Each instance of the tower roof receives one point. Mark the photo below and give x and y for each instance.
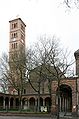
(76, 53)
(18, 19)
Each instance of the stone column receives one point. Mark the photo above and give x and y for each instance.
(43, 102)
(64, 104)
(74, 102)
(14, 106)
(35, 102)
(28, 103)
(36, 105)
(60, 103)
(9, 103)
(4, 103)
(21, 104)
(54, 104)
(67, 104)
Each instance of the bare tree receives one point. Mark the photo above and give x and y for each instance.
(35, 73)
(46, 62)
(53, 63)
(12, 71)
(3, 70)
(71, 3)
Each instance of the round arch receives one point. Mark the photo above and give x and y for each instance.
(7, 102)
(65, 98)
(11, 102)
(32, 101)
(23, 102)
(48, 103)
(1, 101)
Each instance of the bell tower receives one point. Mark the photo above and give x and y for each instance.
(16, 52)
(17, 35)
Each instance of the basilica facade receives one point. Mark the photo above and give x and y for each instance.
(69, 87)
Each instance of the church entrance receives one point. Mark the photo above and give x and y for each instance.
(65, 98)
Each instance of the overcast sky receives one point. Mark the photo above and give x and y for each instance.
(48, 17)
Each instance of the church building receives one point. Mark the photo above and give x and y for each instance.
(69, 87)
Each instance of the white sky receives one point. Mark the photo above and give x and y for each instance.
(41, 17)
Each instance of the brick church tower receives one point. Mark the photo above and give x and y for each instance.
(76, 54)
(16, 43)
(17, 35)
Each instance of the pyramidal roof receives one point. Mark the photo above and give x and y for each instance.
(76, 53)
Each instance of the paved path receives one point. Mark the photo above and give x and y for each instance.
(22, 117)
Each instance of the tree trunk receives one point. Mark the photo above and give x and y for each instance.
(39, 96)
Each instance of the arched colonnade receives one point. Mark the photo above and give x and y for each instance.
(28, 102)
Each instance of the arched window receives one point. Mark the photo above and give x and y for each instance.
(12, 26)
(16, 25)
(16, 45)
(14, 35)
(12, 46)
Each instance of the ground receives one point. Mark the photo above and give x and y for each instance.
(25, 117)
(20, 117)
(35, 116)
